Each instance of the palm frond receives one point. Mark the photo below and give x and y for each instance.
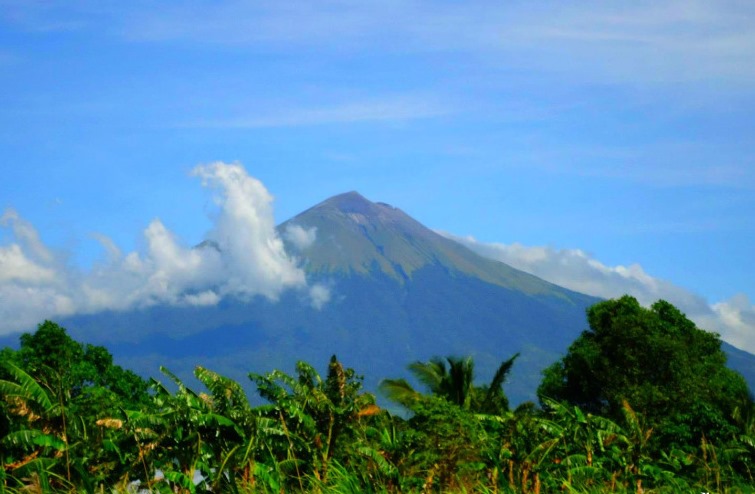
(399, 391)
(500, 376)
(431, 374)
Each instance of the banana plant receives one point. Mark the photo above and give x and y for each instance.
(315, 415)
(577, 447)
(240, 454)
(184, 437)
(40, 439)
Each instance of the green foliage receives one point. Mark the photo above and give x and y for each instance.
(324, 434)
(54, 390)
(452, 379)
(85, 374)
(320, 419)
(670, 372)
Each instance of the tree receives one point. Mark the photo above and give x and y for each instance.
(82, 385)
(670, 372)
(85, 374)
(453, 382)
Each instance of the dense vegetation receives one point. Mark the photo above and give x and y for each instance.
(641, 402)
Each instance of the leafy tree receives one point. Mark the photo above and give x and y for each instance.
(669, 371)
(79, 384)
(444, 446)
(85, 374)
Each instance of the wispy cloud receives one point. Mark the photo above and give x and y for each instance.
(641, 42)
(242, 257)
(617, 42)
(734, 319)
(669, 42)
(386, 110)
(663, 163)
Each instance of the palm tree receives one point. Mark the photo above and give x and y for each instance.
(454, 383)
(494, 399)
(452, 378)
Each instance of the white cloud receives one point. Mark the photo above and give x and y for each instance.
(243, 257)
(319, 295)
(15, 266)
(26, 235)
(25, 306)
(255, 258)
(300, 237)
(202, 299)
(734, 319)
(112, 250)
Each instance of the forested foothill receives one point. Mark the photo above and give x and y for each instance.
(641, 402)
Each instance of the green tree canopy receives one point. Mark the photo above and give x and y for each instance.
(658, 361)
(85, 373)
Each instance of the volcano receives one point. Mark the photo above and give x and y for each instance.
(399, 292)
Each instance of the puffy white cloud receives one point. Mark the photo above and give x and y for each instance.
(734, 319)
(256, 260)
(300, 237)
(16, 266)
(205, 298)
(24, 306)
(242, 257)
(319, 295)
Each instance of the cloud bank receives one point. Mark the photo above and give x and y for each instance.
(733, 319)
(242, 257)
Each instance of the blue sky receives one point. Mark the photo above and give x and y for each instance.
(610, 140)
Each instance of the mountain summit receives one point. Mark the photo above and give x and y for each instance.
(355, 235)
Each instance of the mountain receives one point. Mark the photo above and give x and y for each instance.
(399, 293)
(359, 237)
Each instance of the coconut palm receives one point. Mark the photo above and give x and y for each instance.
(452, 378)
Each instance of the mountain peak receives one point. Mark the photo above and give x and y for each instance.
(347, 197)
(354, 202)
(355, 235)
